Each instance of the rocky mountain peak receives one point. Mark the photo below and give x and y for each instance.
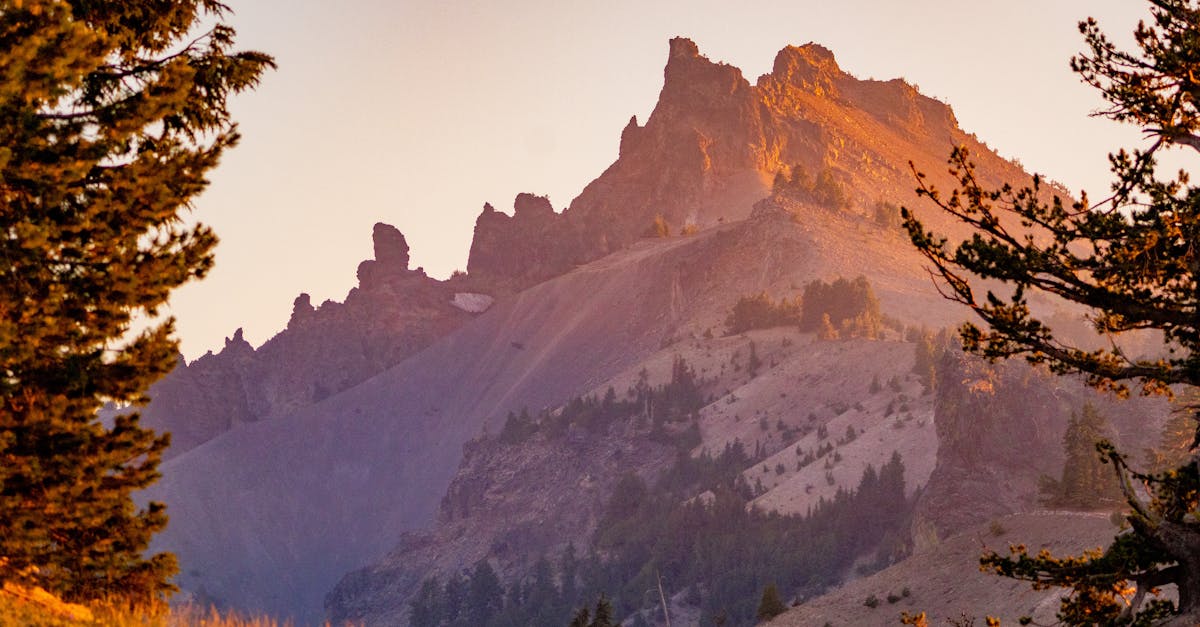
(811, 67)
(237, 344)
(711, 148)
(505, 247)
(683, 48)
(629, 135)
(302, 309)
(391, 258)
(691, 82)
(529, 206)
(391, 248)
(393, 313)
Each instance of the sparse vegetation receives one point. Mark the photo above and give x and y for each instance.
(824, 189)
(671, 403)
(887, 215)
(658, 228)
(760, 311)
(728, 551)
(844, 308)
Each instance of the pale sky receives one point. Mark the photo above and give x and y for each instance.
(416, 112)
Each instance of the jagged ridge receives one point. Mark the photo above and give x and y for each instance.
(713, 144)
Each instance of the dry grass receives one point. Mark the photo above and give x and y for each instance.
(945, 581)
(25, 607)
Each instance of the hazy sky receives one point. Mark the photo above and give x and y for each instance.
(417, 112)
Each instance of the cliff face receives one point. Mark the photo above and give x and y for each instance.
(532, 245)
(509, 503)
(393, 313)
(711, 148)
(1000, 428)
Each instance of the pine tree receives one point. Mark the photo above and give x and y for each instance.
(603, 615)
(1133, 260)
(770, 606)
(581, 618)
(826, 331)
(111, 114)
(849, 304)
(754, 362)
(568, 570)
(925, 362)
(1087, 481)
(425, 610)
(1177, 434)
(454, 599)
(543, 595)
(485, 597)
(760, 311)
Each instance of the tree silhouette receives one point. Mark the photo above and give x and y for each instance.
(1086, 481)
(111, 115)
(1132, 259)
(770, 606)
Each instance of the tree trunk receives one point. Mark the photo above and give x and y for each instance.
(1182, 542)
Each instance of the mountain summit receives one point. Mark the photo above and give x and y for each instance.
(713, 145)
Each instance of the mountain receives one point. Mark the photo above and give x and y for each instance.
(393, 313)
(713, 145)
(335, 443)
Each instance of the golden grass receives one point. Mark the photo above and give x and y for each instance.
(34, 607)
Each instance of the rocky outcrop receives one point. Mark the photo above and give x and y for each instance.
(394, 312)
(204, 398)
(494, 510)
(530, 246)
(1000, 428)
(713, 144)
(390, 263)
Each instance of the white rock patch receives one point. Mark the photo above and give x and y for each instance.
(472, 303)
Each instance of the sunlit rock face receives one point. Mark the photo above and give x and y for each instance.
(711, 148)
(531, 245)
